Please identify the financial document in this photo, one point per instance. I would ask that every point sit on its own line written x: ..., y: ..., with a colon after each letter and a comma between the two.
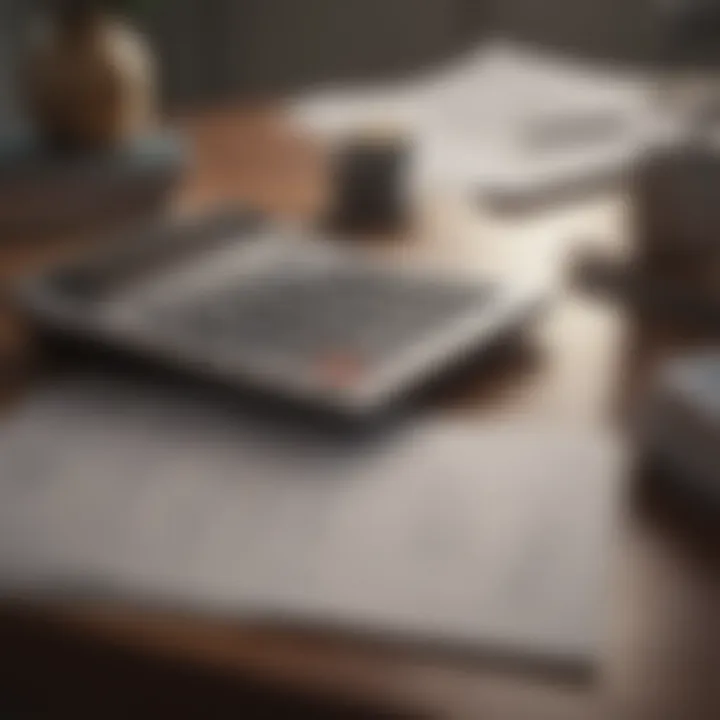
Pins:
x: 450, y: 531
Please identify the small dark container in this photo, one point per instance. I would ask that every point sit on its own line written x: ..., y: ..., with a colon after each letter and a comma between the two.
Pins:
x: 370, y: 185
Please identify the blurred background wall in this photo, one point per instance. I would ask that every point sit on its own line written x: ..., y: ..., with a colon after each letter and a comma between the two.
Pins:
x: 214, y: 49
x: 624, y: 31
x: 259, y: 46
x: 266, y: 46
x: 11, y: 20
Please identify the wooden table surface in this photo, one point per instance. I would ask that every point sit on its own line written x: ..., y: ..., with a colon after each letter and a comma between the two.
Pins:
x: 585, y: 366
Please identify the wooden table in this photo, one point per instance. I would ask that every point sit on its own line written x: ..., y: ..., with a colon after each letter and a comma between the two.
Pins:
x: 590, y: 359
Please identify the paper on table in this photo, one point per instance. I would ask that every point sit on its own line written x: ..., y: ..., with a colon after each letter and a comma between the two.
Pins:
x: 474, y: 121
x: 448, y: 531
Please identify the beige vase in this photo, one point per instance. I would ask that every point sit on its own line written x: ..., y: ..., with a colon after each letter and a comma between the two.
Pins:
x: 89, y: 81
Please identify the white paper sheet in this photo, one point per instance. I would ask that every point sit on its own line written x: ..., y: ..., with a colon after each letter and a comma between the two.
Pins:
x: 449, y: 531
x: 473, y: 120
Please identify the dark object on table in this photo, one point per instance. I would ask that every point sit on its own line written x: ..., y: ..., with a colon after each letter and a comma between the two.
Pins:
x: 679, y: 428
x: 653, y: 293
x: 674, y: 267
x: 45, y: 191
x: 370, y: 185
x: 675, y: 207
